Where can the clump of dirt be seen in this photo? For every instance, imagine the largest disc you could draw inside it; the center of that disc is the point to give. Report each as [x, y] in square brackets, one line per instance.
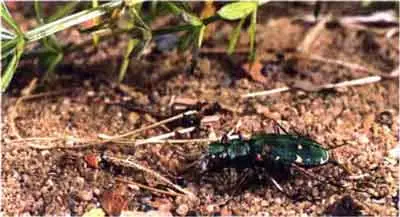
[357, 123]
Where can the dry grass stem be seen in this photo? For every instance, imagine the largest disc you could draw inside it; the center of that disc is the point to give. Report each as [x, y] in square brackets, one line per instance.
[130, 163]
[137, 131]
[148, 187]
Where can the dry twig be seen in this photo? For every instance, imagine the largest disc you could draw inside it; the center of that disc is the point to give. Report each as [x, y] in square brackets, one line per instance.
[148, 187]
[360, 81]
[130, 163]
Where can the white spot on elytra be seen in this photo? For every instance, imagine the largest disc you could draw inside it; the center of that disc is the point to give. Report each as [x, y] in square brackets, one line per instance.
[277, 158]
[322, 161]
[299, 146]
[298, 159]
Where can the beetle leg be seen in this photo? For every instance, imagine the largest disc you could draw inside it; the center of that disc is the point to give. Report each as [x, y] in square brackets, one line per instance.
[277, 127]
[342, 166]
[277, 185]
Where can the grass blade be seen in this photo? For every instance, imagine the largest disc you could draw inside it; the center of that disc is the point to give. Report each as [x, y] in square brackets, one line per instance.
[252, 36]
[235, 36]
[63, 11]
[12, 65]
[66, 22]
[5, 14]
[131, 45]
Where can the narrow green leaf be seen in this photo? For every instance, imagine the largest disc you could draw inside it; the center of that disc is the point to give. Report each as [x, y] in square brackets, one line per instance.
[63, 11]
[51, 61]
[8, 46]
[37, 5]
[5, 34]
[71, 20]
[235, 36]
[172, 7]
[11, 67]
[5, 14]
[237, 10]
[153, 7]
[125, 63]
[252, 36]
[95, 37]
[200, 35]
[193, 20]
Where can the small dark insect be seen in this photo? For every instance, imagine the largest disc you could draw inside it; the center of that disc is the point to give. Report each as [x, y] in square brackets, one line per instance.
[263, 150]
[285, 149]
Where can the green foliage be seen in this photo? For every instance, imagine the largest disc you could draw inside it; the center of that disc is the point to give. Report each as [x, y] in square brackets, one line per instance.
[237, 10]
[117, 17]
[131, 45]
[252, 35]
[234, 37]
[11, 66]
[241, 10]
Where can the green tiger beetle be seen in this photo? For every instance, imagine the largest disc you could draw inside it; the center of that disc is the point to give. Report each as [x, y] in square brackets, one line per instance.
[266, 149]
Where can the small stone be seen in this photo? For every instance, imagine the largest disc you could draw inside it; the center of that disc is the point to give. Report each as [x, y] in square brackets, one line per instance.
[80, 181]
[133, 117]
[363, 139]
[96, 192]
[85, 195]
[182, 210]
[91, 93]
[264, 203]
[210, 208]
[225, 211]
[395, 153]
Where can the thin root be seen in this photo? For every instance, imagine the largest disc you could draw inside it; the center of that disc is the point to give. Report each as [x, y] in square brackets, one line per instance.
[148, 187]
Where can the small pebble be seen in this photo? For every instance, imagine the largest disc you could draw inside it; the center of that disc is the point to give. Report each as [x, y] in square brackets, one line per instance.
[264, 203]
[363, 139]
[226, 212]
[96, 192]
[85, 195]
[395, 153]
[91, 93]
[210, 208]
[182, 210]
[133, 117]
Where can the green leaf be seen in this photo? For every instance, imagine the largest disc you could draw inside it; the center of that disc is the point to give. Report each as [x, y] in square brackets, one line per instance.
[193, 20]
[235, 36]
[37, 5]
[50, 61]
[200, 35]
[237, 10]
[11, 67]
[49, 42]
[8, 47]
[5, 14]
[95, 37]
[63, 11]
[131, 45]
[252, 36]
[71, 20]
[173, 8]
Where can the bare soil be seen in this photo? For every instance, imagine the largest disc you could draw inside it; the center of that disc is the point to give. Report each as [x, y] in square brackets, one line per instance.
[361, 121]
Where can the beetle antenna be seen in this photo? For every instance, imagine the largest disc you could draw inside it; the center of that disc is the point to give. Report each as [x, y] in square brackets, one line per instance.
[277, 126]
[225, 139]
